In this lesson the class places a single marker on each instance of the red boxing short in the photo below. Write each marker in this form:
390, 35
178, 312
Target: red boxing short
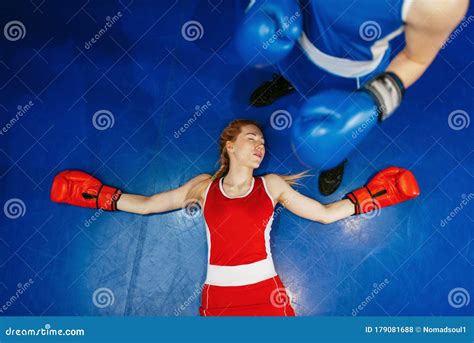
264, 298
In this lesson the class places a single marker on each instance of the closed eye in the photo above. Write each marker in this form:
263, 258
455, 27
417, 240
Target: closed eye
253, 139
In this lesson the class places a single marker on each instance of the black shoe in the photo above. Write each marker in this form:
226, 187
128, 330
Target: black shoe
270, 91
329, 180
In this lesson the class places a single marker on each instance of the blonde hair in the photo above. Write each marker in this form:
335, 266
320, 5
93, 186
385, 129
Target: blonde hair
230, 133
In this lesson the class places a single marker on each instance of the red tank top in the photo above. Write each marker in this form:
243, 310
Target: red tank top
238, 234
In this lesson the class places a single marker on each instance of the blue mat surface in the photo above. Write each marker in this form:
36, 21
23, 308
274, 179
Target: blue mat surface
119, 106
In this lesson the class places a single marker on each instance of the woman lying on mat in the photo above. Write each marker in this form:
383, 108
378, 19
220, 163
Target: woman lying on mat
238, 211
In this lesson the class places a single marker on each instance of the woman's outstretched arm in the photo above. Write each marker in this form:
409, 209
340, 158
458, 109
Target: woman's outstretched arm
161, 202
307, 207
78, 188
390, 186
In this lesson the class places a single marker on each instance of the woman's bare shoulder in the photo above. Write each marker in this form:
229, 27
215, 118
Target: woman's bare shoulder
203, 180
275, 185
273, 178
201, 177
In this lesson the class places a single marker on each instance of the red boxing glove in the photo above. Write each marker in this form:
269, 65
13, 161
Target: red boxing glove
389, 187
81, 189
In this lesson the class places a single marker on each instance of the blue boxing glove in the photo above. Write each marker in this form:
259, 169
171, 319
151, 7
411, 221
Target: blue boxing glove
268, 31
333, 122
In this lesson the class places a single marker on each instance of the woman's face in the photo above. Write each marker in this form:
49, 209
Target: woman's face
248, 149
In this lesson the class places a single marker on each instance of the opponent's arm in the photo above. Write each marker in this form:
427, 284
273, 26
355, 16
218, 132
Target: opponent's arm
429, 23
78, 188
389, 187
